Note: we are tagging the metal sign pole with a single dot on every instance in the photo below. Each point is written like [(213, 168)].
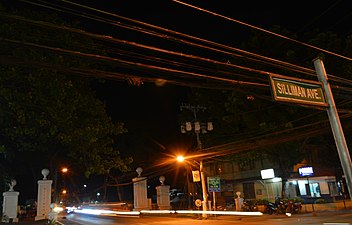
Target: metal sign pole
[(214, 200), (335, 124)]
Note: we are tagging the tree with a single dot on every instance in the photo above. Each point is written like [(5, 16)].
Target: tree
[(248, 114), (47, 111)]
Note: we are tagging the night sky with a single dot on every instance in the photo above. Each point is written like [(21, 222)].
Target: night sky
[(297, 16), (153, 110), (152, 104)]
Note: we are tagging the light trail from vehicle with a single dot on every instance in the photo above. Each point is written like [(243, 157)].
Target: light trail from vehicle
[(104, 212)]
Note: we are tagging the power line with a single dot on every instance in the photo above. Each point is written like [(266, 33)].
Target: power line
[(274, 62), (265, 31), (219, 47), (320, 15)]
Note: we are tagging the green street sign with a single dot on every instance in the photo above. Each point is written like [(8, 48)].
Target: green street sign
[(214, 184), (287, 89)]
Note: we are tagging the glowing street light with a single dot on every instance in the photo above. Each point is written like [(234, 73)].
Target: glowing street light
[(180, 158), (63, 171)]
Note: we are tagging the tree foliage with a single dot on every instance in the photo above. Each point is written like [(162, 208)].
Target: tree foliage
[(51, 113), (247, 114)]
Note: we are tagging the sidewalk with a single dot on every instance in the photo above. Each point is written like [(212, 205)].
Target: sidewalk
[(31, 221)]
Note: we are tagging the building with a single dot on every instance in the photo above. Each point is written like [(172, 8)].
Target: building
[(245, 176)]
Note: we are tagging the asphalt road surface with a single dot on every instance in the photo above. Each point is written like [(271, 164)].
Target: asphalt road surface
[(326, 218)]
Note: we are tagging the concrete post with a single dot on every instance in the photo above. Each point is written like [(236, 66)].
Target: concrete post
[(163, 197), (10, 202), (140, 199), (238, 201), (44, 197)]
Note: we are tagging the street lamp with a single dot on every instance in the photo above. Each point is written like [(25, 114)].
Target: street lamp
[(202, 179), (180, 158), (63, 170)]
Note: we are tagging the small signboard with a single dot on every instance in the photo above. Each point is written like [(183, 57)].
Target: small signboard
[(306, 171), (196, 175), (287, 89), (198, 202), (214, 184), (267, 174)]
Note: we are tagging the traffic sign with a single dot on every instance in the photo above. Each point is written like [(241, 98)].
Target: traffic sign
[(214, 184), (198, 202), (288, 89)]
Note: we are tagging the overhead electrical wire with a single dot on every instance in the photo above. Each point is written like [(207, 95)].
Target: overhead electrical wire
[(125, 63), (263, 30), (154, 48), (253, 143), (144, 47), (275, 62), (304, 70), (169, 51), (265, 72)]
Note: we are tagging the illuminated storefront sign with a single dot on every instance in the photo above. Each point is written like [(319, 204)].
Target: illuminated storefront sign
[(305, 171)]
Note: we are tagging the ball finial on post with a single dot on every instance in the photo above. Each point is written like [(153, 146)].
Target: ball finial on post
[(139, 170), (162, 180), (45, 173)]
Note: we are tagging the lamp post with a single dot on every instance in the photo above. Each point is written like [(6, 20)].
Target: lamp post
[(198, 127), (63, 170), (202, 179)]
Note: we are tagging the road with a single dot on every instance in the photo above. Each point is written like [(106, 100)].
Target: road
[(337, 217)]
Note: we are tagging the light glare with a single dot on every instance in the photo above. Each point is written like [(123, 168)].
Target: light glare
[(180, 158)]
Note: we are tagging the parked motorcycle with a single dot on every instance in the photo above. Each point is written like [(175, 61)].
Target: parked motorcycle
[(270, 208), (293, 207), (282, 207), (249, 206)]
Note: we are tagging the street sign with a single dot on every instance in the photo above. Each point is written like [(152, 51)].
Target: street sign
[(196, 175), (301, 91), (198, 202), (214, 184)]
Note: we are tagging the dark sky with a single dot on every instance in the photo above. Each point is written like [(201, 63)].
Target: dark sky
[(155, 108), (147, 110), (152, 111), (297, 16)]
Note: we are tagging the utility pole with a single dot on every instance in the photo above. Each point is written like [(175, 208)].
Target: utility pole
[(335, 124), (198, 128)]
